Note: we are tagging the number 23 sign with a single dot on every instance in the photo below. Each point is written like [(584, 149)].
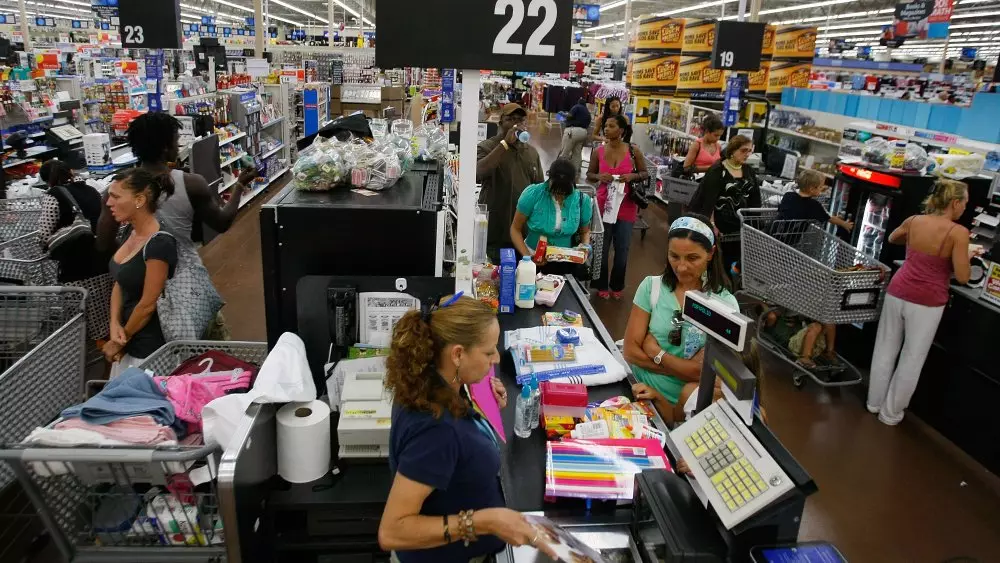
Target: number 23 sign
[(150, 24), (525, 35)]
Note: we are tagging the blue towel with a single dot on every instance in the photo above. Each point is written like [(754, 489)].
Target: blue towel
[(133, 393)]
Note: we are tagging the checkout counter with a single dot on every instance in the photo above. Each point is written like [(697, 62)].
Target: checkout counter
[(336, 518)]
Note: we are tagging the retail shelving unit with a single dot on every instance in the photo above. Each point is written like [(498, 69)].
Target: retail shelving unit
[(315, 107)]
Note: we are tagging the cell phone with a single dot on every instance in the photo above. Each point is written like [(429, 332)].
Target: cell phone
[(807, 552)]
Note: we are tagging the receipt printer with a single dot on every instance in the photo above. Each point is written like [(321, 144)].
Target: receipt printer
[(365, 416)]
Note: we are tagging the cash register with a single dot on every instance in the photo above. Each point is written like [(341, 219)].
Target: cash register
[(747, 490)]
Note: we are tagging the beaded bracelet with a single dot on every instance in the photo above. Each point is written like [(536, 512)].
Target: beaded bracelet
[(447, 532)]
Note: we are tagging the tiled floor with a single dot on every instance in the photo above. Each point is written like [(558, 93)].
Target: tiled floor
[(885, 495)]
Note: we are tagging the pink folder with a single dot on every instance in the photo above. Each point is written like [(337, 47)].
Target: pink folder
[(482, 394)]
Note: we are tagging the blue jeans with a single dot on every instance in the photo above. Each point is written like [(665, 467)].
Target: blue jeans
[(619, 235)]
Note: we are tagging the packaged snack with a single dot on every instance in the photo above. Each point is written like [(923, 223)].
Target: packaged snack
[(563, 254)]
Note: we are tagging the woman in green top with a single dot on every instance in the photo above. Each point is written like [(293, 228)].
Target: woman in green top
[(664, 352), (556, 210)]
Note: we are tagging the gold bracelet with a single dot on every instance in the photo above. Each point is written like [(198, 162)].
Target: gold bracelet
[(503, 142)]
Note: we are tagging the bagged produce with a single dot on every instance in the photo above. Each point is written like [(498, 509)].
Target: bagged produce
[(877, 151)]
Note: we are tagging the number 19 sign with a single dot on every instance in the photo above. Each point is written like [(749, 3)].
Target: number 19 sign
[(150, 24), (526, 35)]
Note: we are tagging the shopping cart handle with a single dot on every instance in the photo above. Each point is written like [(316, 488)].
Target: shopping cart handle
[(116, 454)]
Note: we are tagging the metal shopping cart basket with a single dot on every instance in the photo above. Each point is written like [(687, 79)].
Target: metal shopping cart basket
[(799, 266), (41, 371), (19, 216), (116, 503), (23, 261)]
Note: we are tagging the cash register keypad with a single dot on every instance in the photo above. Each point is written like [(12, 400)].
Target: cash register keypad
[(732, 475)]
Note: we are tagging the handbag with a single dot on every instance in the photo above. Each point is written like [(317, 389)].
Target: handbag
[(189, 301), (71, 239), (638, 190)]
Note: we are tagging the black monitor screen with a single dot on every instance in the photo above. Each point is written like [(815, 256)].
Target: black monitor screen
[(205, 159)]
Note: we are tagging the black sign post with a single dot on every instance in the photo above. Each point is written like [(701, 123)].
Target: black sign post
[(524, 35), (150, 24), (737, 45)]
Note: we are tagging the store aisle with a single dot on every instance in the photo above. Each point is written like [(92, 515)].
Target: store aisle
[(886, 494)]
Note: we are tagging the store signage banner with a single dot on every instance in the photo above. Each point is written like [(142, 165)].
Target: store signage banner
[(47, 61), (586, 15), (150, 24), (521, 35), (991, 291), (923, 19), (447, 95), (106, 10)]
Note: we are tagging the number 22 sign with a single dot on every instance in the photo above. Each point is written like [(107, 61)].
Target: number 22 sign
[(525, 35)]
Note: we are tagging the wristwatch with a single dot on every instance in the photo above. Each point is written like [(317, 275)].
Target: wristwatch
[(659, 357)]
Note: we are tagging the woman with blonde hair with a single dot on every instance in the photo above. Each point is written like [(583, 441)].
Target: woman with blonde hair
[(936, 248), (445, 504)]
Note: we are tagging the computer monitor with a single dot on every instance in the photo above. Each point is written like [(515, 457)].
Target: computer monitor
[(202, 54), (205, 159)]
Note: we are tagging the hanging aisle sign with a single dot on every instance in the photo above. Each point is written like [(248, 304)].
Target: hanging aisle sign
[(150, 24), (737, 45), (524, 35)]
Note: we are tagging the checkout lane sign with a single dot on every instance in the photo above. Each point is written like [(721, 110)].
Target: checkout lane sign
[(524, 35), (991, 289)]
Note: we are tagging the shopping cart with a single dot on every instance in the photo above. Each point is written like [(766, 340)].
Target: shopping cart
[(23, 261), (19, 216), (802, 268), (41, 371), (130, 503)]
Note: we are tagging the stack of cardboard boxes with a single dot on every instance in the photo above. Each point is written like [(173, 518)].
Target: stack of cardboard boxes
[(392, 97)]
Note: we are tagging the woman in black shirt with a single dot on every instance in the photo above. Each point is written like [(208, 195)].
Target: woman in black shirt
[(728, 186), (81, 261), (140, 266)]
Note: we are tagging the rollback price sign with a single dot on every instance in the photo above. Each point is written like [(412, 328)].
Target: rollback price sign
[(521, 35)]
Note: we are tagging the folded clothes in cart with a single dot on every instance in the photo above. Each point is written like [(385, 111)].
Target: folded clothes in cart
[(132, 393), (593, 364)]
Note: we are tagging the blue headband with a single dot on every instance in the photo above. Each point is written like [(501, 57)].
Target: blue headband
[(692, 224)]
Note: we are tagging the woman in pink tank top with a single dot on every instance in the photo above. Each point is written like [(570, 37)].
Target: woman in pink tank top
[(936, 248), (705, 151)]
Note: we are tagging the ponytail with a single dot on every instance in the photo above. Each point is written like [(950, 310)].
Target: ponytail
[(418, 340), (138, 181), (945, 192)]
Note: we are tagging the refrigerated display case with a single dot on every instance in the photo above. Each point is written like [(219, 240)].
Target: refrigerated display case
[(877, 202)]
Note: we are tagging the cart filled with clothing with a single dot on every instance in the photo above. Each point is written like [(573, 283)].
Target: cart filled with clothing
[(809, 280), (127, 473)]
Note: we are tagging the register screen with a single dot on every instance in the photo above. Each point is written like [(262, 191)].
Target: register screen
[(802, 554)]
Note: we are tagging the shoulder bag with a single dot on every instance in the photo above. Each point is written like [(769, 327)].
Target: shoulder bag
[(189, 301), (67, 240), (638, 190)]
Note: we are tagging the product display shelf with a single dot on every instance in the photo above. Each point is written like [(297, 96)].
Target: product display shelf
[(783, 131), (233, 160), (232, 139), (273, 151), (246, 198)]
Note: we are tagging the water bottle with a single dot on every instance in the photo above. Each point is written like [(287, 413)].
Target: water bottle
[(522, 413), (536, 402), (524, 137)]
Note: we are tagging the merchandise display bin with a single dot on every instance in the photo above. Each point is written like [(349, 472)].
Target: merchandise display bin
[(23, 262), (19, 216), (800, 266), (130, 503)]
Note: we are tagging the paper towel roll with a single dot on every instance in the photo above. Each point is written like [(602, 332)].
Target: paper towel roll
[(303, 441)]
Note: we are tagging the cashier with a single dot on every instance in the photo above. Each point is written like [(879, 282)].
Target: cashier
[(506, 166), (557, 210), (445, 504), (664, 352)]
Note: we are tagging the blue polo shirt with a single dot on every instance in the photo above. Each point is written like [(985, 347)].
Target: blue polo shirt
[(461, 463)]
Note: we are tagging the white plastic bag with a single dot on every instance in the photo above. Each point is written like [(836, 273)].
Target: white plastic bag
[(283, 378)]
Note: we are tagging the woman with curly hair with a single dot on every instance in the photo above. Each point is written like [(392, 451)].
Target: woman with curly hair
[(445, 504)]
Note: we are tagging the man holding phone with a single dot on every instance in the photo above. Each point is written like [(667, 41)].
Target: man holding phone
[(506, 165)]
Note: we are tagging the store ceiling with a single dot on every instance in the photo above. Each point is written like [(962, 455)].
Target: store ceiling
[(283, 12)]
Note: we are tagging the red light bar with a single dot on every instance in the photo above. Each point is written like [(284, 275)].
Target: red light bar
[(880, 178)]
